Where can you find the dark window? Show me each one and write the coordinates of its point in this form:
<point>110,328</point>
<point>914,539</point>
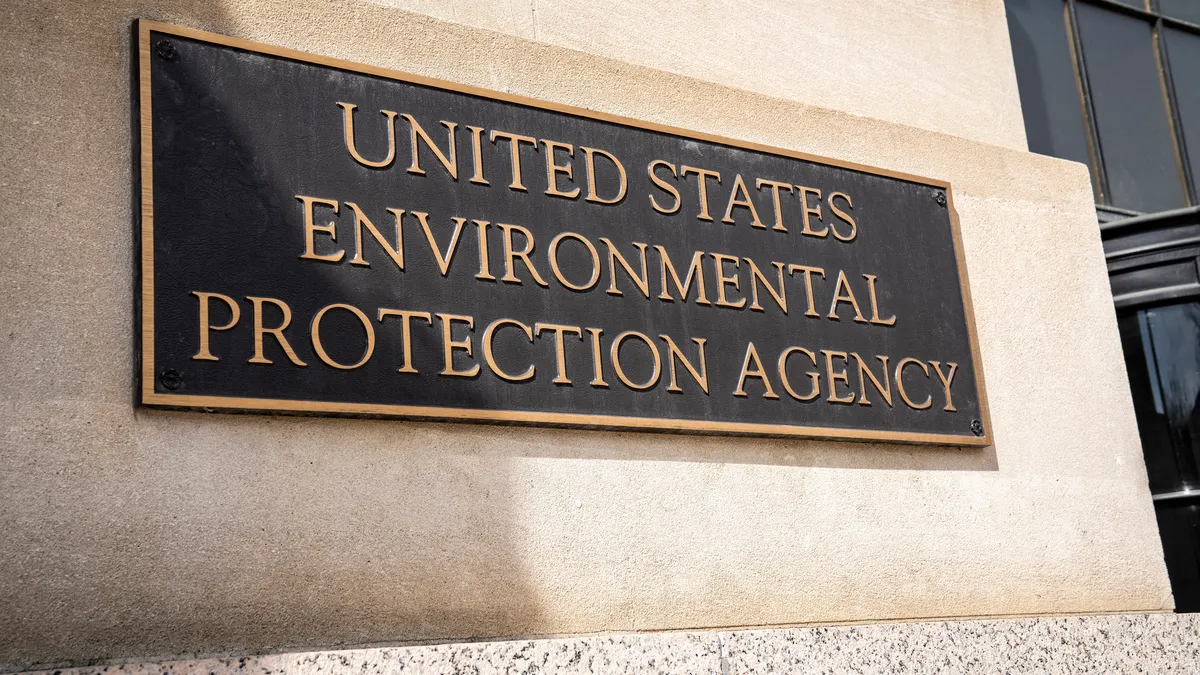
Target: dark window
<point>1050,100</point>
<point>1114,84</point>
<point>1130,116</point>
<point>1162,355</point>
<point>1183,50</point>
<point>1179,527</point>
<point>1184,10</point>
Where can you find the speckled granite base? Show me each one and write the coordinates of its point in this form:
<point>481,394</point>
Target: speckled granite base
<point>1155,643</point>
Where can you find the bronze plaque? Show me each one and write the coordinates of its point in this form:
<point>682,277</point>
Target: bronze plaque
<point>319,236</point>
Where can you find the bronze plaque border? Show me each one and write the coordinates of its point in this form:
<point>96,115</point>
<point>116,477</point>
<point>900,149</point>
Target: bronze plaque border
<point>149,397</point>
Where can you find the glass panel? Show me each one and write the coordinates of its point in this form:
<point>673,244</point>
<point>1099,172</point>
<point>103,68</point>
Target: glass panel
<point>1178,523</point>
<point>1188,10</point>
<point>1046,79</point>
<point>1162,356</point>
<point>1139,4</point>
<point>1183,49</point>
<point>1131,117</point>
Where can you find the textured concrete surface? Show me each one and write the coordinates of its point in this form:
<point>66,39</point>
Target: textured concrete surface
<point>130,532</point>
<point>1157,643</point>
<point>942,65</point>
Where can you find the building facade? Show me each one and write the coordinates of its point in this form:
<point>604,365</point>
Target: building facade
<point>1111,84</point>
<point>135,535</point>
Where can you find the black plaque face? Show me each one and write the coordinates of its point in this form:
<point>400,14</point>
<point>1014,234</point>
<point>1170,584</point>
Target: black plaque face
<point>297,257</point>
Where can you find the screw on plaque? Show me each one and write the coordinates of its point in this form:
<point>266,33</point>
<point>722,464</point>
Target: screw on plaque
<point>171,379</point>
<point>165,50</point>
<point>939,197</point>
<point>977,427</point>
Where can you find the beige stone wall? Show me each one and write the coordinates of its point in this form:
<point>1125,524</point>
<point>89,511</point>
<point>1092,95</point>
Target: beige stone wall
<point>131,532</point>
<point>942,65</point>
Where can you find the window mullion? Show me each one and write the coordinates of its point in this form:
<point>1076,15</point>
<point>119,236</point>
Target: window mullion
<point>1095,151</point>
<point>1169,98</point>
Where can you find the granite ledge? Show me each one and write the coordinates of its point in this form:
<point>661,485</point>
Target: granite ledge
<point>1142,643</point>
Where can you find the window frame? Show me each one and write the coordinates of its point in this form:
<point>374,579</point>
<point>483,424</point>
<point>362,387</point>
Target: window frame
<point>1157,21</point>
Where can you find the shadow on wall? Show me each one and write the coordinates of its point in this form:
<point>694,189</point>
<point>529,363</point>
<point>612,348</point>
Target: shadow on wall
<point>134,533</point>
<point>769,451</point>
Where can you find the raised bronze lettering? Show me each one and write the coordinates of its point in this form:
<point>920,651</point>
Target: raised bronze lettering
<point>694,271</point>
<point>276,332</point>
<point>560,350</point>
<point>348,128</point>
<point>702,176</point>
<point>757,372</point>
<point>489,334</point>
<point>946,379</point>
<point>311,228</point>
<point>811,211</point>
<point>864,374</point>
<point>835,377</point>
<point>744,202</point>
<point>673,353</point>
<point>589,155</point>
<point>642,281</point>
<point>235,313</point>
<point>843,216</point>
<point>719,261</point>
<point>813,375</point>
<point>320,349</point>
<point>664,186</point>
<point>451,162</point>
<point>553,169</point>
<point>616,361</point>
<point>558,273</point>
<point>443,261</point>
<point>900,383</point>
<point>756,276</point>
<point>838,296</point>
<point>775,186</point>
<point>515,141</point>
<point>405,333</point>
<point>511,255</point>
<point>875,304</point>
<point>477,155</point>
<point>396,253</point>
<point>449,344</point>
